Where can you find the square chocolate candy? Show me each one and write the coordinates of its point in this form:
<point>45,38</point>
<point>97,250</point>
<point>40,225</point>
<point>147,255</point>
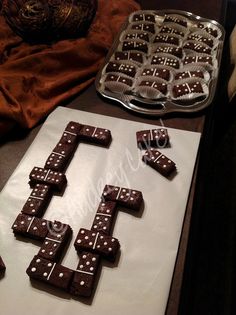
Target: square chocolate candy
<point>95,135</point>
<point>129,70</point>
<point>152,138</point>
<point>85,274</point>
<point>159,162</point>
<point>55,241</point>
<point>125,197</point>
<point>98,243</point>
<point>104,217</point>
<point>54,179</point>
<point>31,227</point>
<point>50,272</point>
<point>38,200</point>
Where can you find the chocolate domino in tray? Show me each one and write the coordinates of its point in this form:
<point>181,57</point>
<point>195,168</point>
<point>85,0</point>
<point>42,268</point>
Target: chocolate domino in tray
<point>38,200</point>
<point>55,241</point>
<point>56,180</point>
<point>98,243</point>
<point>125,197</point>
<point>152,138</point>
<point>104,217</point>
<point>159,162</point>
<point>31,227</point>
<point>2,266</point>
<point>50,272</point>
<point>85,274</point>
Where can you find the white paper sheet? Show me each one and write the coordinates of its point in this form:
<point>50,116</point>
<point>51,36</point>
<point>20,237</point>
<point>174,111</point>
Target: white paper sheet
<point>140,282</point>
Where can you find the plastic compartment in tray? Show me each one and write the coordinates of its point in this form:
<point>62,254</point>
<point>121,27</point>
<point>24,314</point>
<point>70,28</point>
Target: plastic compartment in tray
<point>163,61</point>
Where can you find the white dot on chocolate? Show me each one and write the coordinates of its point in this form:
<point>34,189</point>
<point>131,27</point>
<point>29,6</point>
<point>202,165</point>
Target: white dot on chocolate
<point>82,231</point>
<point>93,259</point>
<point>46,243</point>
<point>54,245</point>
<point>81,266</point>
<point>79,241</point>
<point>44,223</point>
<point>51,253</point>
<point>43,250</point>
<point>86,237</point>
<point>61,275</point>
<point>90,243</point>
<point>93,234</point>
<point>87,263</point>
<point>49,264</point>
<point>101,237</point>
<point>98,246</point>
<point>35,228</point>
<point>33,269</point>
<point>95,226</point>
<point>45,274</point>
<point>38,260</point>
<point>81,282</point>
<point>105,243</point>
<point>109,249</point>
<point>91,268</point>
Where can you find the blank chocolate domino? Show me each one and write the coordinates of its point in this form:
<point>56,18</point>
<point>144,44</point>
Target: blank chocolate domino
<point>152,138</point>
<point>95,135</point>
<point>31,227</point>
<point>38,200</point>
<point>55,241</point>
<point>125,197</point>
<point>2,266</point>
<point>98,243</point>
<point>54,179</point>
<point>51,273</point>
<point>85,274</point>
<point>159,162</point>
<point>104,217</point>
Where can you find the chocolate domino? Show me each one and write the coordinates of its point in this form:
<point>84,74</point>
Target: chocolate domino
<point>129,55</point>
<point>38,200</point>
<point>2,266</point>
<point>100,244</point>
<point>125,197</point>
<point>135,45</point>
<point>31,227</point>
<point>129,70</point>
<point>50,272</point>
<point>152,138</point>
<point>146,27</point>
<point>159,162</point>
<point>165,61</point>
<point>95,135</point>
<point>144,17</point>
<point>85,274</point>
<point>104,217</point>
<point>55,241</point>
<point>167,39</point>
<point>54,179</point>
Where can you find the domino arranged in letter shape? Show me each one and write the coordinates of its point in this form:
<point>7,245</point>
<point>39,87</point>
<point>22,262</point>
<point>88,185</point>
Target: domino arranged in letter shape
<point>85,274</point>
<point>38,200</point>
<point>31,226</point>
<point>154,138</point>
<point>100,244</point>
<point>125,197</point>
<point>104,217</point>
<point>95,135</point>
<point>55,241</point>
<point>56,180</point>
<point>50,272</point>
<point>159,162</point>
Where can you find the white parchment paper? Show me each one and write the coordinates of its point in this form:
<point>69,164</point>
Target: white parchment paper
<point>139,282</point>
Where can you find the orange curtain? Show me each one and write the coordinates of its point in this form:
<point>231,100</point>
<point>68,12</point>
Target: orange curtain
<point>34,79</point>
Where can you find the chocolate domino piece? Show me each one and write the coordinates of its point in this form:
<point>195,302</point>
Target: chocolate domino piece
<point>171,30</point>
<point>165,61</point>
<point>176,51</point>
<point>31,227</point>
<point>104,217</point>
<point>143,36</point>
<point>122,68</point>
<point>179,90</point>
<point>38,200</point>
<point>95,135</point>
<point>134,45</point>
<point>98,243</point>
<point>143,17</point>
<point>146,27</point>
<point>54,179</point>
<point>117,78</point>
<point>2,266</point>
<point>198,37</point>
<point>85,274</point>
<point>175,19</point>
<point>55,241</point>
<point>157,73</point>
<point>155,138</point>
<point>125,197</point>
<point>167,39</point>
<point>129,55</point>
<point>50,272</point>
<point>159,162</point>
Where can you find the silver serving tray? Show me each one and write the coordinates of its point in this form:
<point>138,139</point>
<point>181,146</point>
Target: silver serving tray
<point>155,107</point>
